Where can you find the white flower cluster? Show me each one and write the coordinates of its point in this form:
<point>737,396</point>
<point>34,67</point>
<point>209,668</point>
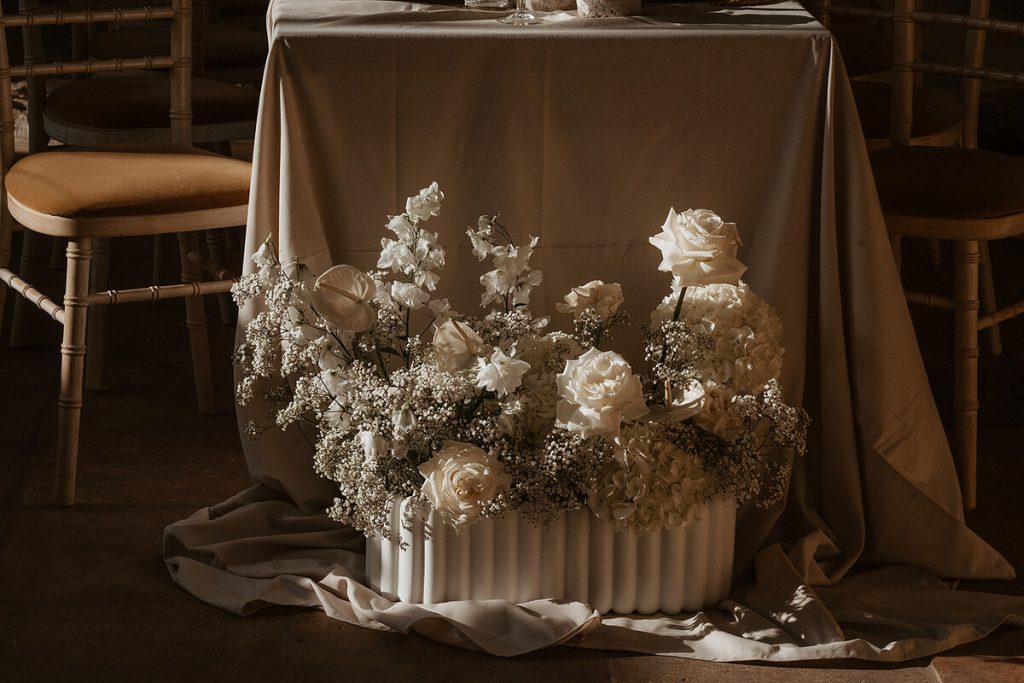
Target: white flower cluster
<point>475,416</point>
<point>512,280</point>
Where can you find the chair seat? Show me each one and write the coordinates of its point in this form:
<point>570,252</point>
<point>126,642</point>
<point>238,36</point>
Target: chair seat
<point>134,102</point>
<point>935,111</point>
<point>224,47</point>
<point>110,192</point>
<point>949,192</point>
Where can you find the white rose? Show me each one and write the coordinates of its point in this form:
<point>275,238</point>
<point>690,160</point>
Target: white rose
<point>342,295</point>
<point>595,295</point>
<point>459,480</point>
<point>455,345</point>
<point>598,391</point>
<point>699,248</point>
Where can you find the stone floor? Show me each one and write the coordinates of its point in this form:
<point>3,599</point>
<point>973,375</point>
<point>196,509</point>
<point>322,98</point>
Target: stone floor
<point>84,594</point>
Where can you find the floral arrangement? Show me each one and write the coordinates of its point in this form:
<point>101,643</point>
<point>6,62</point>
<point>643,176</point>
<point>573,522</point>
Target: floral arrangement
<point>474,416</point>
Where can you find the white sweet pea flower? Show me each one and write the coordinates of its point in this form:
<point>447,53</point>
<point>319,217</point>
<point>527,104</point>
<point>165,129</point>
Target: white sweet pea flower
<point>481,247</point>
<point>425,204</point>
<point>409,295</point>
<point>342,295</point>
<point>501,374</point>
<point>403,227</point>
<point>598,392</point>
<point>525,285</point>
<point>455,345</point>
<point>459,480</point>
<point>699,248</point>
<point>595,295</point>
<point>396,256</point>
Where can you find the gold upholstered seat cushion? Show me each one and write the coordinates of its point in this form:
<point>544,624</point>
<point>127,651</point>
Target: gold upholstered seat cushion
<point>943,188</point>
<point>223,46</point>
<point>155,180</point>
<point>133,102</point>
<point>935,111</point>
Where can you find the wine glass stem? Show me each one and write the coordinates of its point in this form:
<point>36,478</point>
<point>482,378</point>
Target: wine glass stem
<point>520,6</point>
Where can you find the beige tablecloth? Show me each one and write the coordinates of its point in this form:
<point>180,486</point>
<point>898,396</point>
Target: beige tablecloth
<point>585,132</point>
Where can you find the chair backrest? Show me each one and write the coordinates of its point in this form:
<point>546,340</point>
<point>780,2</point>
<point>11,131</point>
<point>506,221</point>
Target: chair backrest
<point>179,62</point>
<point>907,17</point>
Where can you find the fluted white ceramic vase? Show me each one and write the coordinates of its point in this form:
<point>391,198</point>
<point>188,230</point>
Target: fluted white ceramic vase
<point>579,558</point>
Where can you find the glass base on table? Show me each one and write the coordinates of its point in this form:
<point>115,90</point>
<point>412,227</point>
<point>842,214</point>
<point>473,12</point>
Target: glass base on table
<point>487,4</point>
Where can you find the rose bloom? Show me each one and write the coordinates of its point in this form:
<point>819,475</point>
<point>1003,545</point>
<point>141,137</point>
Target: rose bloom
<point>342,295</point>
<point>455,345</point>
<point>459,480</point>
<point>598,391</point>
<point>699,248</point>
<point>595,295</point>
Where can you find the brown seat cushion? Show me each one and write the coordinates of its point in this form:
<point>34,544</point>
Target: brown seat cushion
<point>143,102</point>
<point>114,182</point>
<point>935,111</point>
<point>223,46</point>
<point>865,47</point>
<point>948,183</point>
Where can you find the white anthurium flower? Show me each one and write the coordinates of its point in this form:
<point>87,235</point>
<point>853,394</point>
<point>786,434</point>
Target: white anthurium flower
<point>425,204</point>
<point>455,345</point>
<point>501,374</point>
<point>342,295</point>
<point>686,402</point>
<point>409,295</point>
<point>596,295</point>
<point>598,392</point>
<point>699,248</point>
<point>459,480</point>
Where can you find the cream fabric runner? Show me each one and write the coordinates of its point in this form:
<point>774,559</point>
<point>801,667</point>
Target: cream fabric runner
<point>585,132</point>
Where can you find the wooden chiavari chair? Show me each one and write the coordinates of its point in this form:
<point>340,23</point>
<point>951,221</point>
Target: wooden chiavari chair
<point>87,194</point>
<point>961,194</point>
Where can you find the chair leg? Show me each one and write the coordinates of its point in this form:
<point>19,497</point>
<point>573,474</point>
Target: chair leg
<point>195,321</point>
<point>993,338</point>
<point>72,367</point>
<point>158,258</point>
<point>217,247</point>
<point>97,327</point>
<point>26,327</point>
<point>5,257</point>
<point>965,405</point>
